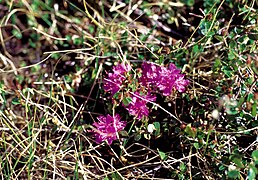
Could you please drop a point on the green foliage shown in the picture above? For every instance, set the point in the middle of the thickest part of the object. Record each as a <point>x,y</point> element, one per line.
<point>234,174</point>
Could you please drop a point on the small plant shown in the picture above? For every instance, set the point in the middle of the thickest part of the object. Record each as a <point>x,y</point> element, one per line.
<point>135,93</point>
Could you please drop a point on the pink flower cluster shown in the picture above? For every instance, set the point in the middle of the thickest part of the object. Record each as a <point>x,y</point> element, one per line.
<point>154,78</point>
<point>138,105</point>
<point>114,81</point>
<point>162,78</point>
<point>107,128</point>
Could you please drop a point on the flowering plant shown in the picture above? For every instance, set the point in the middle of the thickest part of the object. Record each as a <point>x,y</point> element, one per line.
<point>137,92</point>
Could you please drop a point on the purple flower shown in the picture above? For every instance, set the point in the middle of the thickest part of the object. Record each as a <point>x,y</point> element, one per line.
<point>150,74</point>
<point>181,83</point>
<point>121,68</point>
<point>107,128</point>
<point>138,105</point>
<point>114,81</point>
<point>173,69</point>
<point>162,78</point>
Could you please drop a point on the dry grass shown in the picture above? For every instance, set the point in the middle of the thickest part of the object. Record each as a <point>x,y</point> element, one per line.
<point>53,58</point>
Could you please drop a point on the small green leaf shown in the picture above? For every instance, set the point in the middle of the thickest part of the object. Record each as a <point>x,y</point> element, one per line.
<point>217,63</point>
<point>161,59</point>
<point>123,133</point>
<point>240,101</point>
<point>231,55</point>
<point>68,37</point>
<point>157,128</point>
<point>91,29</point>
<point>253,36</point>
<point>233,174</point>
<point>238,162</point>
<point>77,41</point>
<point>252,172</point>
<point>254,109</point>
<point>255,155</point>
<point>220,38</point>
<point>189,130</point>
<point>55,56</point>
<point>222,168</point>
<point>162,155</point>
<point>17,33</point>
<point>231,110</point>
<point>15,101</point>
<point>195,48</point>
<point>232,44</point>
<point>189,2</point>
<point>116,176</point>
<point>127,101</point>
<point>250,97</point>
<point>197,145</point>
<point>137,137</point>
<point>182,167</point>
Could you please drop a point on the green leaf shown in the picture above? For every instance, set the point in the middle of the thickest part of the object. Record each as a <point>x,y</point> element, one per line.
<point>137,137</point>
<point>217,63</point>
<point>157,128</point>
<point>189,2</point>
<point>228,72</point>
<point>116,176</point>
<point>232,110</point>
<point>252,172</point>
<point>231,55</point>
<point>250,97</point>
<point>240,101</point>
<point>253,36</point>
<point>127,101</point>
<point>15,101</point>
<point>238,162</point>
<point>17,33</point>
<point>182,167</point>
<point>91,29</point>
<point>161,59</point>
<point>255,155</point>
<point>232,44</point>
<point>162,155</point>
<point>197,145</point>
<point>220,38</point>
<point>195,48</point>
<point>254,109</point>
<point>55,56</point>
<point>222,167</point>
<point>233,174</point>
<point>77,41</point>
<point>189,130</point>
<point>123,133</point>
